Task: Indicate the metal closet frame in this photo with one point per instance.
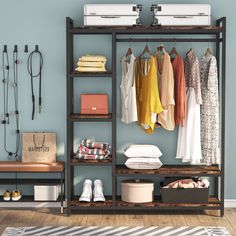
(218, 36)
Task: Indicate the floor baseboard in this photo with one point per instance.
(230, 203)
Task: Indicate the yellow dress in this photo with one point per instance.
(148, 100)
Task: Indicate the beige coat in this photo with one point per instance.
(166, 83)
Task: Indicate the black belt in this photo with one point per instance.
(32, 76)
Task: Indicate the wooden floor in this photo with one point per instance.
(51, 217)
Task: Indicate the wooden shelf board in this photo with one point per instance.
(213, 202)
(147, 30)
(77, 204)
(28, 199)
(88, 118)
(91, 74)
(172, 170)
(24, 181)
(75, 162)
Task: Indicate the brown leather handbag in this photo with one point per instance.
(94, 104)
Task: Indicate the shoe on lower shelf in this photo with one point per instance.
(98, 191)
(16, 195)
(7, 195)
(86, 195)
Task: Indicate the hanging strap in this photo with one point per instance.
(6, 81)
(30, 64)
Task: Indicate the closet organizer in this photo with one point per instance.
(214, 34)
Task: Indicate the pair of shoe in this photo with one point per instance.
(97, 192)
(14, 195)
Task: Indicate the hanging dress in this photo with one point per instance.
(148, 100)
(209, 111)
(180, 91)
(189, 137)
(128, 91)
(166, 90)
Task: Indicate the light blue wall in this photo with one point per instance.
(43, 22)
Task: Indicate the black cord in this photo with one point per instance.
(32, 76)
(6, 82)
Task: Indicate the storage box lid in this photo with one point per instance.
(182, 9)
(137, 182)
(111, 9)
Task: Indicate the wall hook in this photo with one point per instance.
(26, 49)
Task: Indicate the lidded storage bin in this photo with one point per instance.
(137, 191)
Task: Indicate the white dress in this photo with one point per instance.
(189, 137)
(189, 145)
(128, 91)
(209, 111)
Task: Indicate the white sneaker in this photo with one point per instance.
(98, 191)
(86, 195)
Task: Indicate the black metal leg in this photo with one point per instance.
(62, 209)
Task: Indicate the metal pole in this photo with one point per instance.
(113, 119)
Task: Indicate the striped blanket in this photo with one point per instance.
(92, 150)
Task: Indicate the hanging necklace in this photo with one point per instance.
(6, 82)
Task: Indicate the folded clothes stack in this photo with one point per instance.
(91, 63)
(188, 183)
(143, 157)
(91, 150)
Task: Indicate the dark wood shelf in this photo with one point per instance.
(147, 30)
(76, 117)
(28, 199)
(75, 162)
(171, 170)
(91, 74)
(157, 203)
(30, 181)
(75, 203)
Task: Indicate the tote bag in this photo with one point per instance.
(39, 147)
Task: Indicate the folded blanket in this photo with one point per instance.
(93, 144)
(90, 69)
(143, 163)
(93, 58)
(91, 150)
(91, 64)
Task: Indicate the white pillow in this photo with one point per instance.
(142, 151)
(143, 163)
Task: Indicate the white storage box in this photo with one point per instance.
(46, 193)
(137, 191)
(182, 14)
(111, 14)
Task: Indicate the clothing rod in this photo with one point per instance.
(166, 40)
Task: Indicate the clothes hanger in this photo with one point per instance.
(146, 50)
(161, 49)
(129, 51)
(173, 52)
(208, 52)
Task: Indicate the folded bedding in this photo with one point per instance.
(92, 150)
(143, 163)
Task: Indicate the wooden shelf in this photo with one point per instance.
(171, 170)
(91, 74)
(157, 203)
(76, 117)
(75, 203)
(30, 181)
(147, 30)
(76, 162)
(28, 199)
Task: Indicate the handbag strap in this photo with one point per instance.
(42, 141)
